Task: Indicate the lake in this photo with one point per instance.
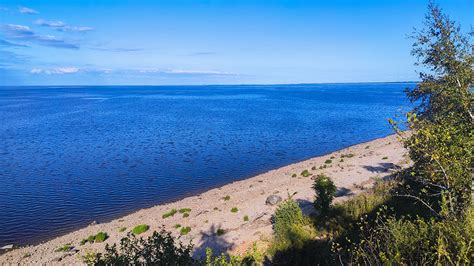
(73, 155)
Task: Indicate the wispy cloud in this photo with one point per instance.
(117, 49)
(55, 71)
(61, 26)
(26, 10)
(25, 33)
(11, 44)
(201, 53)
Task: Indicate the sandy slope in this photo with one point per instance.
(210, 211)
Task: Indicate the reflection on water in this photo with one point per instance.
(72, 155)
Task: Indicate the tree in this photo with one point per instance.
(441, 140)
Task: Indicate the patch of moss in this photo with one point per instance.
(328, 161)
(122, 229)
(385, 158)
(234, 210)
(246, 218)
(176, 226)
(226, 198)
(293, 175)
(186, 214)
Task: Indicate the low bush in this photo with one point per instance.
(100, 237)
(139, 229)
(226, 198)
(328, 161)
(246, 218)
(220, 232)
(66, 247)
(234, 210)
(122, 229)
(287, 214)
(184, 210)
(305, 173)
(160, 248)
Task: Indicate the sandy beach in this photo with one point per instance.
(353, 169)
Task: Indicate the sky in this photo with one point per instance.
(178, 42)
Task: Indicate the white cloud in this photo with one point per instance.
(57, 71)
(24, 33)
(61, 26)
(187, 72)
(26, 10)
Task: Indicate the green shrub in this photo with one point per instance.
(246, 218)
(158, 249)
(293, 175)
(384, 158)
(176, 226)
(185, 230)
(186, 214)
(305, 173)
(139, 229)
(122, 229)
(226, 198)
(83, 242)
(325, 192)
(184, 210)
(234, 210)
(287, 214)
(220, 232)
(66, 247)
(171, 213)
(328, 161)
(100, 237)
(91, 238)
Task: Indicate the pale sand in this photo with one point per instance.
(248, 196)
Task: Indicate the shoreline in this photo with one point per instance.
(209, 210)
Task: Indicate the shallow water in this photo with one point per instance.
(71, 155)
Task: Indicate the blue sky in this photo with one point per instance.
(211, 42)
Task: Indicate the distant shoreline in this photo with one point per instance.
(210, 211)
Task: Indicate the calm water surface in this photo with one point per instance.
(71, 155)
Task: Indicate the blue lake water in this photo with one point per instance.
(71, 155)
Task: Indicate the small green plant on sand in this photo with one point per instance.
(122, 229)
(185, 230)
(226, 198)
(176, 226)
(172, 212)
(100, 237)
(385, 158)
(186, 214)
(65, 248)
(220, 232)
(246, 218)
(83, 242)
(234, 210)
(140, 229)
(305, 173)
(328, 161)
(91, 239)
(293, 175)
(184, 210)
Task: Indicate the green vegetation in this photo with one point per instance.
(185, 230)
(66, 247)
(171, 213)
(226, 198)
(293, 175)
(325, 192)
(305, 173)
(176, 226)
(139, 229)
(100, 237)
(328, 161)
(83, 242)
(384, 158)
(220, 232)
(184, 210)
(122, 229)
(349, 155)
(246, 218)
(186, 214)
(234, 210)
